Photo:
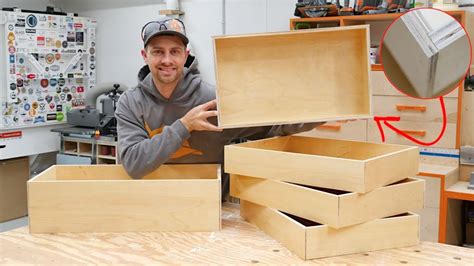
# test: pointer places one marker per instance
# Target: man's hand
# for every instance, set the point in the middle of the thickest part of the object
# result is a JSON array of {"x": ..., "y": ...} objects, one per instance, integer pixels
[{"x": 196, "y": 118}]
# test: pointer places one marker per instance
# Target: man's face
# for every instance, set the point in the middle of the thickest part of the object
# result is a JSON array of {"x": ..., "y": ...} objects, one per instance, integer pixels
[{"x": 165, "y": 56}]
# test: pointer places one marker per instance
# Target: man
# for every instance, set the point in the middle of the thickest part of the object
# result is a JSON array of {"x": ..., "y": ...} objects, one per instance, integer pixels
[{"x": 170, "y": 116}]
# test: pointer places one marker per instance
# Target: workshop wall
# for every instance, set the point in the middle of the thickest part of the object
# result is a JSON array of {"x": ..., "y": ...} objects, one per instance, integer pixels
[{"x": 120, "y": 22}]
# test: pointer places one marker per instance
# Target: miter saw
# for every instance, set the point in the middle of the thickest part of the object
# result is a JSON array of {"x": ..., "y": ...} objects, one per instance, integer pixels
[{"x": 99, "y": 112}]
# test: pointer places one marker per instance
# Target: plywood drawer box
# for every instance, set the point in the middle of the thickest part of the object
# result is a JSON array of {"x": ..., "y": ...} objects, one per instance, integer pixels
[
  {"x": 105, "y": 199},
  {"x": 310, "y": 240},
  {"x": 350, "y": 130},
  {"x": 328, "y": 163},
  {"x": 382, "y": 86},
  {"x": 423, "y": 131},
  {"x": 291, "y": 77},
  {"x": 330, "y": 207},
  {"x": 410, "y": 109}
]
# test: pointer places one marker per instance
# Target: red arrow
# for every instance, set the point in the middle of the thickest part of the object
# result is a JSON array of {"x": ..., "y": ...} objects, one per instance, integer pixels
[{"x": 385, "y": 119}]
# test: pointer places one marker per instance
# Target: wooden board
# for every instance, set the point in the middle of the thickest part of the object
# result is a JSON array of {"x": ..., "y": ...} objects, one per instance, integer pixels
[
  {"x": 429, "y": 224},
  {"x": 293, "y": 77},
  {"x": 311, "y": 240},
  {"x": 237, "y": 243},
  {"x": 328, "y": 163},
  {"x": 105, "y": 199},
  {"x": 336, "y": 209}
]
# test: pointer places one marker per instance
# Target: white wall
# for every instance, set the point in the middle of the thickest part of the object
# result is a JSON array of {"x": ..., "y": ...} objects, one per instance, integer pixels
[
  {"x": 26, "y": 4},
  {"x": 120, "y": 22}
]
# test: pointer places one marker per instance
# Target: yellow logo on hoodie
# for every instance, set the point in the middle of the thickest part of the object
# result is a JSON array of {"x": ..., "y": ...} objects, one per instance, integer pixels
[{"x": 181, "y": 152}]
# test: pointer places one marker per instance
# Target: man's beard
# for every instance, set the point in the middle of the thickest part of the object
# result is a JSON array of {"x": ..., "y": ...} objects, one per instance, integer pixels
[{"x": 168, "y": 79}]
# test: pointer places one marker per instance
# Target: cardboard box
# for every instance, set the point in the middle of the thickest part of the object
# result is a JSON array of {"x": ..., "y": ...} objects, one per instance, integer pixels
[
  {"x": 311, "y": 240},
  {"x": 14, "y": 173},
  {"x": 328, "y": 163},
  {"x": 103, "y": 198}
]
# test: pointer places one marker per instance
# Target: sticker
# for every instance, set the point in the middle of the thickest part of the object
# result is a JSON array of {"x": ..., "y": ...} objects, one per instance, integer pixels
[
  {"x": 92, "y": 44},
  {"x": 59, "y": 107},
  {"x": 26, "y": 82},
  {"x": 58, "y": 90},
  {"x": 23, "y": 90},
  {"x": 66, "y": 90},
  {"x": 11, "y": 36},
  {"x": 71, "y": 36},
  {"x": 10, "y": 27},
  {"x": 70, "y": 75},
  {"x": 30, "y": 31},
  {"x": 92, "y": 50},
  {"x": 30, "y": 91},
  {"x": 32, "y": 21},
  {"x": 62, "y": 96},
  {"x": 79, "y": 37},
  {"x": 40, "y": 40},
  {"x": 61, "y": 82},
  {"x": 78, "y": 25},
  {"x": 42, "y": 107},
  {"x": 35, "y": 105},
  {"x": 44, "y": 83},
  {"x": 49, "y": 58},
  {"x": 58, "y": 44},
  {"x": 20, "y": 22},
  {"x": 27, "y": 120},
  {"x": 13, "y": 95},
  {"x": 39, "y": 119},
  {"x": 19, "y": 83},
  {"x": 92, "y": 58},
  {"x": 21, "y": 60},
  {"x": 54, "y": 68},
  {"x": 92, "y": 66},
  {"x": 60, "y": 116},
  {"x": 57, "y": 56},
  {"x": 48, "y": 98},
  {"x": 46, "y": 69},
  {"x": 50, "y": 117},
  {"x": 51, "y": 106},
  {"x": 64, "y": 44},
  {"x": 11, "y": 49},
  {"x": 69, "y": 97},
  {"x": 12, "y": 59},
  {"x": 11, "y": 134},
  {"x": 32, "y": 112},
  {"x": 53, "y": 82},
  {"x": 80, "y": 89},
  {"x": 31, "y": 76},
  {"x": 12, "y": 86}
]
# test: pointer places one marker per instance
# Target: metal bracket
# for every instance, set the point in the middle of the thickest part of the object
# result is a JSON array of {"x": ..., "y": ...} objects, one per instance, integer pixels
[{"x": 467, "y": 155}]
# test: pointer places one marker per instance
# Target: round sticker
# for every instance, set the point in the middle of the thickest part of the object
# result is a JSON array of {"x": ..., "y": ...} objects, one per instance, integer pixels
[
  {"x": 10, "y": 27},
  {"x": 44, "y": 83},
  {"x": 11, "y": 36},
  {"x": 32, "y": 112},
  {"x": 69, "y": 97},
  {"x": 49, "y": 58},
  {"x": 92, "y": 50},
  {"x": 54, "y": 68},
  {"x": 58, "y": 44},
  {"x": 92, "y": 66},
  {"x": 57, "y": 56},
  {"x": 58, "y": 90},
  {"x": 61, "y": 82},
  {"x": 21, "y": 60},
  {"x": 19, "y": 83},
  {"x": 12, "y": 86},
  {"x": 35, "y": 105},
  {"x": 13, "y": 95},
  {"x": 53, "y": 82},
  {"x": 92, "y": 58},
  {"x": 32, "y": 21},
  {"x": 66, "y": 90},
  {"x": 11, "y": 49},
  {"x": 64, "y": 44},
  {"x": 27, "y": 106},
  {"x": 60, "y": 116}
]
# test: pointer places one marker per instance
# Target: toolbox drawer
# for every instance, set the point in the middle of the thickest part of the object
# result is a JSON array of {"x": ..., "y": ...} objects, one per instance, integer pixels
[{"x": 348, "y": 130}]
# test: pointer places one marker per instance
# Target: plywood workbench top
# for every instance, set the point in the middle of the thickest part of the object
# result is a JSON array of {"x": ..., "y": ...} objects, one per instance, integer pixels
[{"x": 238, "y": 242}]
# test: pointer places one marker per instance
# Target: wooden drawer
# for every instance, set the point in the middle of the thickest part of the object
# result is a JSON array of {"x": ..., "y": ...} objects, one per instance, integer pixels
[
  {"x": 429, "y": 224},
  {"x": 330, "y": 207},
  {"x": 382, "y": 86},
  {"x": 337, "y": 164},
  {"x": 105, "y": 199},
  {"x": 423, "y": 131},
  {"x": 432, "y": 191},
  {"x": 292, "y": 77},
  {"x": 311, "y": 240},
  {"x": 410, "y": 109},
  {"x": 350, "y": 130}
]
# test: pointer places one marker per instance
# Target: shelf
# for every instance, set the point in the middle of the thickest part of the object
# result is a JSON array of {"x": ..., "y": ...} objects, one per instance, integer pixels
[
  {"x": 460, "y": 191},
  {"x": 107, "y": 157},
  {"x": 106, "y": 161}
]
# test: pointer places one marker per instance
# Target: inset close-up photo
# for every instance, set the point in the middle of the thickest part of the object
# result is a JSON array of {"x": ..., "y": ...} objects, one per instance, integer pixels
[{"x": 425, "y": 53}]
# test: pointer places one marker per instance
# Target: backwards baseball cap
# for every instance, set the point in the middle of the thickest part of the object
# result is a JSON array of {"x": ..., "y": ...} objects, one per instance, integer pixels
[{"x": 164, "y": 27}]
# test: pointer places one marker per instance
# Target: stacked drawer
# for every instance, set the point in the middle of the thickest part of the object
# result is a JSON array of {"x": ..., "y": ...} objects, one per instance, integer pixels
[
  {"x": 324, "y": 197},
  {"x": 422, "y": 119}
]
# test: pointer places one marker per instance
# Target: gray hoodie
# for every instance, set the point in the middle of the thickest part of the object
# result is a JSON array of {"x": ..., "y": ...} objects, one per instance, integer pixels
[{"x": 150, "y": 131}]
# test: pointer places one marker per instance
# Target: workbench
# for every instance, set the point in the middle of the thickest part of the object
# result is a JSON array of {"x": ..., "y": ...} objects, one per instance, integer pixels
[{"x": 237, "y": 242}]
